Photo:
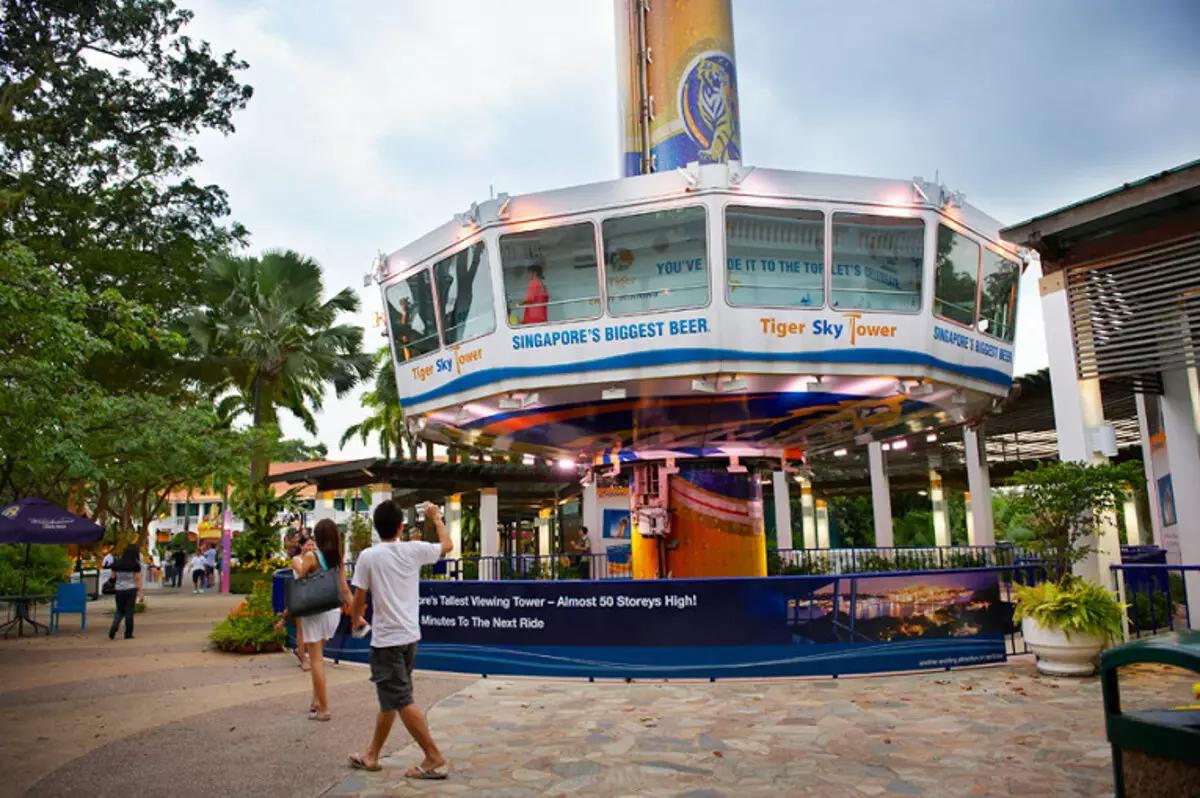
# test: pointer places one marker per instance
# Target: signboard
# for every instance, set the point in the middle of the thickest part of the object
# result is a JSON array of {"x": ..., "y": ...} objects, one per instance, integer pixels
[{"x": 710, "y": 628}]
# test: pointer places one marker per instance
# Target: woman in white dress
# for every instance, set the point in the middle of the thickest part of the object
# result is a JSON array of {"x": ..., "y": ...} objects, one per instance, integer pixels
[{"x": 322, "y": 627}]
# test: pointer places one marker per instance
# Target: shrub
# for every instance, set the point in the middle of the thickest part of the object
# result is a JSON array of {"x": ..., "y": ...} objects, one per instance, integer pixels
[
  {"x": 1076, "y": 606},
  {"x": 48, "y": 567},
  {"x": 242, "y": 580},
  {"x": 250, "y": 626}
]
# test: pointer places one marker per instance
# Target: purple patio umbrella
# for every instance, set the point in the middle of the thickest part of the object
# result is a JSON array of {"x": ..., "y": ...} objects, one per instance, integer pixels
[
  {"x": 38, "y": 521},
  {"x": 33, "y": 520}
]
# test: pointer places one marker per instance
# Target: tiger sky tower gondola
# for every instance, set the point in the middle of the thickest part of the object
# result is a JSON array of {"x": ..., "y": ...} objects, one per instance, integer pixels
[{"x": 699, "y": 314}]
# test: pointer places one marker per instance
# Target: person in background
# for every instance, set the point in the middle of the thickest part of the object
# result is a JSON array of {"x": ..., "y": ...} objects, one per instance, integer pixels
[
  {"x": 178, "y": 560},
  {"x": 128, "y": 570},
  {"x": 106, "y": 566},
  {"x": 582, "y": 545},
  {"x": 326, "y": 555},
  {"x": 210, "y": 565},
  {"x": 196, "y": 566},
  {"x": 391, "y": 571},
  {"x": 536, "y": 301}
]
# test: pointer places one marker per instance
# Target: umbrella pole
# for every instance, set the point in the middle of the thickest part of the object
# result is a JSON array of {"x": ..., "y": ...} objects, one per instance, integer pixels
[{"x": 25, "y": 572}]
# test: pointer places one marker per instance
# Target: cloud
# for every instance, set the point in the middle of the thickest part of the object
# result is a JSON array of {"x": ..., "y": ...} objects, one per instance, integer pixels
[{"x": 373, "y": 123}]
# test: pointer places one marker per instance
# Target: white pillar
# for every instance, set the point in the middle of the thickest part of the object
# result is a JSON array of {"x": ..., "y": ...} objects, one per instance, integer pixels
[
  {"x": 881, "y": 496},
  {"x": 543, "y": 532},
  {"x": 592, "y": 517},
  {"x": 783, "y": 510},
  {"x": 454, "y": 523},
  {"x": 937, "y": 501},
  {"x": 981, "y": 527},
  {"x": 822, "y": 512},
  {"x": 489, "y": 531},
  {"x": 970, "y": 519},
  {"x": 1133, "y": 534},
  {"x": 1143, "y": 411},
  {"x": 1183, "y": 453},
  {"x": 323, "y": 508},
  {"x": 808, "y": 514},
  {"x": 1077, "y": 412}
]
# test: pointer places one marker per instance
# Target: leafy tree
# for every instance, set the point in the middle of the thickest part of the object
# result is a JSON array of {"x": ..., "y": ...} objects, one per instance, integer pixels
[
  {"x": 297, "y": 451},
  {"x": 267, "y": 333},
  {"x": 1064, "y": 503},
  {"x": 259, "y": 507},
  {"x": 50, "y": 412},
  {"x": 360, "y": 535},
  {"x": 854, "y": 519},
  {"x": 48, "y": 567},
  {"x": 169, "y": 447},
  {"x": 99, "y": 100}
]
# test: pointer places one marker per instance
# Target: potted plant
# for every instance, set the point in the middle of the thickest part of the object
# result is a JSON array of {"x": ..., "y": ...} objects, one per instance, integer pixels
[{"x": 1067, "y": 621}]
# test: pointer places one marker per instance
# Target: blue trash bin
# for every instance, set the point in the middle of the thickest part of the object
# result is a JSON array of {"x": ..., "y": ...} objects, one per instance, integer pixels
[{"x": 279, "y": 582}]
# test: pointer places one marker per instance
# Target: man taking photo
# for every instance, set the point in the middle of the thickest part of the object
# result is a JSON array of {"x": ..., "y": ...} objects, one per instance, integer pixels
[{"x": 391, "y": 571}]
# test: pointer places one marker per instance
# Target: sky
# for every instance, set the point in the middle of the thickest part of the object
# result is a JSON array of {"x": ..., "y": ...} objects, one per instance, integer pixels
[{"x": 373, "y": 123}]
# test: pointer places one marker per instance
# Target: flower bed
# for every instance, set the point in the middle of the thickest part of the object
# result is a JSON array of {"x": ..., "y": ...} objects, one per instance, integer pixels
[{"x": 250, "y": 626}]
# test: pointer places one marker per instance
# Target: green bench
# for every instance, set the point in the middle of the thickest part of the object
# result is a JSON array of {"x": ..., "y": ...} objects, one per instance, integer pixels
[{"x": 1157, "y": 752}]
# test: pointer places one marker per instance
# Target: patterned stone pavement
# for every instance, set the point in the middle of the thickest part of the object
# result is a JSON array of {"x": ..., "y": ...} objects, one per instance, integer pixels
[{"x": 1001, "y": 731}]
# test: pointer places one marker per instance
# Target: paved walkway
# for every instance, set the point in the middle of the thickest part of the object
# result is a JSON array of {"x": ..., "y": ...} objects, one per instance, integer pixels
[
  {"x": 987, "y": 732},
  {"x": 162, "y": 715}
]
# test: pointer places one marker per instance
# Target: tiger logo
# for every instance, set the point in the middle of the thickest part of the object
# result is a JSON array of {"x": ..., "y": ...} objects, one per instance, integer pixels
[{"x": 708, "y": 107}]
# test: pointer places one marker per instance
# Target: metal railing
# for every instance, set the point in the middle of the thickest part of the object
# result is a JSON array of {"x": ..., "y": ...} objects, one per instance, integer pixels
[
  {"x": 1157, "y": 597},
  {"x": 799, "y": 562},
  {"x": 527, "y": 567}
]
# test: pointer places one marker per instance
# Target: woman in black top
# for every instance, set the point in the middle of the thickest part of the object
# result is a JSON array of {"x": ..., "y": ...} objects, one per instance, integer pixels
[{"x": 128, "y": 572}]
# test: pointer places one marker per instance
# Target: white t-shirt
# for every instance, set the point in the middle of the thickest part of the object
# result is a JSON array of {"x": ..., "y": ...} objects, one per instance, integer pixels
[
  {"x": 197, "y": 563},
  {"x": 392, "y": 572}
]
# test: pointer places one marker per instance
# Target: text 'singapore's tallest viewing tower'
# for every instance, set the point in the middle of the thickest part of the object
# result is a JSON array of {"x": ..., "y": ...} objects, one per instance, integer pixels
[{"x": 678, "y": 84}]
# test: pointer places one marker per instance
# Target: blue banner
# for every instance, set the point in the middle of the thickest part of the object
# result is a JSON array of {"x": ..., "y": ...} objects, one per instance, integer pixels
[{"x": 710, "y": 628}]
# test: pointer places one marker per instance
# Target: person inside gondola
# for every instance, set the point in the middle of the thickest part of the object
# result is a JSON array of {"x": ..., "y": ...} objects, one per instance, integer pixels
[{"x": 536, "y": 299}]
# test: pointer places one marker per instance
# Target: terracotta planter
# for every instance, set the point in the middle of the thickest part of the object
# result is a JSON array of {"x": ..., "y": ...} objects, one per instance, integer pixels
[{"x": 1059, "y": 656}]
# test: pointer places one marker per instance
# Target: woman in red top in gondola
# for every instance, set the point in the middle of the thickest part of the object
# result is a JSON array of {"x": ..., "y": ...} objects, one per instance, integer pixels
[{"x": 536, "y": 299}]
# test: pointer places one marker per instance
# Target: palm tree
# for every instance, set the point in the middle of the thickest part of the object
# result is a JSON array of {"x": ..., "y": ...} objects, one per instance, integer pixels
[
  {"x": 267, "y": 334},
  {"x": 386, "y": 419}
]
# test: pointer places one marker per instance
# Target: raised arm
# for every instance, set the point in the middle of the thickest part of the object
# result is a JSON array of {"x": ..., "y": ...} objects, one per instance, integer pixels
[{"x": 434, "y": 514}]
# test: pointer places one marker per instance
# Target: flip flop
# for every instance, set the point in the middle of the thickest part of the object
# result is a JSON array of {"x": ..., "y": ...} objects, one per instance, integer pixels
[
  {"x": 319, "y": 716},
  {"x": 418, "y": 773},
  {"x": 357, "y": 763}
]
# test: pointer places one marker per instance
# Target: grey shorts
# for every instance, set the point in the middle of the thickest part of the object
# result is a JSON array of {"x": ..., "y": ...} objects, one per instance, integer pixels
[{"x": 391, "y": 671}]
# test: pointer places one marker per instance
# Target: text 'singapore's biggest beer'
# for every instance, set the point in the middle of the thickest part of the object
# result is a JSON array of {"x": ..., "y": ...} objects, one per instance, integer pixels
[{"x": 689, "y": 83}]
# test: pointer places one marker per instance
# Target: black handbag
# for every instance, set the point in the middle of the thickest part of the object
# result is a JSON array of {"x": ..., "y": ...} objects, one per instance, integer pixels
[
  {"x": 110, "y": 586},
  {"x": 313, "y": 594}
]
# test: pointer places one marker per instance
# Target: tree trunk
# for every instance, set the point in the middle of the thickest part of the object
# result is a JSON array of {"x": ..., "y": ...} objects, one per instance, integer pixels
[
  {"x": 258, "y": 468},
  {"x": 187, "y": 517}
]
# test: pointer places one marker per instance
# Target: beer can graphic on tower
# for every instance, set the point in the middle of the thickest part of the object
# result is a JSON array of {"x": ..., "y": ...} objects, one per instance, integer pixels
[{"x": 678, "y": 84}]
